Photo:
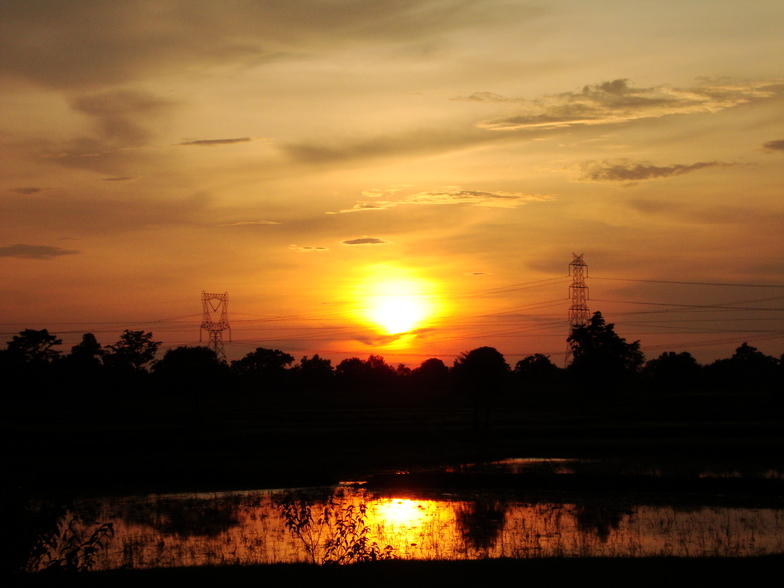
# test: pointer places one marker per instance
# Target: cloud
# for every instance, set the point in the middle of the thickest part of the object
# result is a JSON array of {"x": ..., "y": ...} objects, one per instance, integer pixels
[
  {"x": 775, "y": 145},
  {"x": 119, "y": 113},
  {"x": 77, "y": 43},
  {"x": 400, "y": 144},
  {"x": 498, "y": 199},
  {"x": 308, "y": 248},
  {"x": 97, "y": 214},
  {"x": 123, "y": 123},
  {"x": 618, "y": 102},
  {"x": 365, "y": 241},
  {"x": 119, "y": 179},
  {"x": 212, "y": 142},
  {"x": 475, "y": 197},
  {"x": 26, "y": 191},
  {"x": 246, "y": 223},
  {"x": 377, "y": 340},
  {"x": 22, "y": 251},
  {"x": 623, "y": 170}
]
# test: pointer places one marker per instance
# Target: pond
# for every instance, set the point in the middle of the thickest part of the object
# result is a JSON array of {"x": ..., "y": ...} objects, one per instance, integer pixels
[{"x": 271, "y": 526}]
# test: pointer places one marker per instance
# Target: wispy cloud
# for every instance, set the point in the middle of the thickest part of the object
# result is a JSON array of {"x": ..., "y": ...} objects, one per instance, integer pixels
[
  {"x": 123, "y": 115},
  {"x": 775, "y": 145},
  {"x": 618, "y": 102},
  {"x": 246, "y": 223},
  {"x": 448, "y": 196},
  {"x": 119, "y": 179},
  {"x": 26, "y": 191},
  {"x": 308, "y": 249},
  {"x": 213, "y": 142},
  {"x": 365, "y": 241},
  {"x": 78, "y": 44},
  {"x": 623, "y": 170},
  {"x": 22, "y": 251},
  {"x": 377, "y": 340}
]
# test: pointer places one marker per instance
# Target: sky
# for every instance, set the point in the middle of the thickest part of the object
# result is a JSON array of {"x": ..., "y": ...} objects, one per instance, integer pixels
[{"x": 403, "y": 178}]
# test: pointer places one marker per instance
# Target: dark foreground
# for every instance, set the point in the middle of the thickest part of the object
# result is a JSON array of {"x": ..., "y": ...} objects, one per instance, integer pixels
[
  {"x": 560, "y": 572},
  {"x": 57, "y": 449},
  {"x": 140, "y": 443}
]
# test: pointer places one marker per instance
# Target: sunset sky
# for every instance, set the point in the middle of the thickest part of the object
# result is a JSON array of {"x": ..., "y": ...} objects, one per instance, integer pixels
[{"x": 331, "y": 164}]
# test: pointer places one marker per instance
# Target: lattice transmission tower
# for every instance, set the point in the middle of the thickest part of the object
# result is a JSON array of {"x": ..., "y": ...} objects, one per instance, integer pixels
[
  {"x": 215, "y": 320},
  {"x": 578, "y": 292}
]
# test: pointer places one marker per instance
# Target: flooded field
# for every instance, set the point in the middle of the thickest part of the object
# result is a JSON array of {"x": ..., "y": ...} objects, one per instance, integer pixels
[{"x": 323, "y": 524}]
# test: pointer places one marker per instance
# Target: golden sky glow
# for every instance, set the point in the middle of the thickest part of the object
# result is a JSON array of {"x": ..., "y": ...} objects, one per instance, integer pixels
[{"x": 280, "y": 151}]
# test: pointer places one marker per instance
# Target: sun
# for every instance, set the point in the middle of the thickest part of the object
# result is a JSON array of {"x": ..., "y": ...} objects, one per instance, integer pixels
[{"x": 396, "y": 302}]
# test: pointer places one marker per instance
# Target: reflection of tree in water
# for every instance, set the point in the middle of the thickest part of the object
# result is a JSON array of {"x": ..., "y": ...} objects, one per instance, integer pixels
[
  {"x": 191, "y": 517},
  {"x": 599, "y": 518},
  {"x": 480, "y": 522}
]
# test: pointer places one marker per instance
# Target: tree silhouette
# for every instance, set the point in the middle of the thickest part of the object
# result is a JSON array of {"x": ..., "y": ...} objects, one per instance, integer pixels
[
  {"x": 34, "y": 347},
  {"x": 432, "y": 374},
  {"x": 673, "y": 371},
  {"x": 132, "y": 352},
  {"x": 372, "y": 375},
  {"x": 194, "y": 369},
  {"x": 315, "y": 373},
  {"x": 88, "y": 351},
  {"x": 748, "y": 368},
  {"x": 601, "y": 359},
  {"x": 263, "y": 368},
  {"x": 82, "y": 370},
  {"x": 483, "y": 374},
  {"x": 27, "y": 363},
  {"x": 536, "y": 371}
]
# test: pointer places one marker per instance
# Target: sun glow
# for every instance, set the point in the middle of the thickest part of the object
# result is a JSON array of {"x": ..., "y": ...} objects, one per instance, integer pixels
[
  {"x": 403, "y": 512},
  {"x": 396, "y": 302}
]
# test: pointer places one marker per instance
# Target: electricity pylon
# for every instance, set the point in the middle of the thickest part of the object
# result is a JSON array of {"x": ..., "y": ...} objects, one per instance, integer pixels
[
  {"x": 215, "y": 306},
  {"x": 578, "y": 292}
]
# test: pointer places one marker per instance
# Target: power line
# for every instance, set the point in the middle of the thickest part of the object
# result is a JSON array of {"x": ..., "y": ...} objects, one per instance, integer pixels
[
  {"x": 708, "y": 306},
  {"x": 720, "y": 284}
]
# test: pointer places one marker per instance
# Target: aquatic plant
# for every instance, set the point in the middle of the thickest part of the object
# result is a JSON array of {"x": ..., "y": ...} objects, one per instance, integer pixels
[
  {"x": 66, "y": 547},
  {"x": 332, "y": 534}
]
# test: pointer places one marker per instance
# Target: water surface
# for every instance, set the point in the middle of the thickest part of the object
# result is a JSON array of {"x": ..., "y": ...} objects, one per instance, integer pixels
[{"x": 437, "y": 523}]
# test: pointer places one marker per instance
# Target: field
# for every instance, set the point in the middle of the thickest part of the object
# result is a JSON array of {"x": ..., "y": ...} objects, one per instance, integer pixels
[
  {"x": 59, "y": 449},
  {"x": 140, "y": 443}
]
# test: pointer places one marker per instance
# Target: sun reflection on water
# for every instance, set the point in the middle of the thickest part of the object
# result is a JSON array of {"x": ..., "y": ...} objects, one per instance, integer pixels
[{"x": 250, "y": 528}]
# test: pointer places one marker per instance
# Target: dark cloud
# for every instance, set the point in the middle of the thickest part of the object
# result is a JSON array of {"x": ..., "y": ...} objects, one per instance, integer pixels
[
  {"x": 617, "y": 102},
  {"x": 308, "y": 248},
  {"x": 101, "y": 215},
  {"x": 119, "y": 179},
  {"x": 775, "y": 145},
  {"x": 211, "y": 142},
  {"x": 26, "y": 191},
  {"x": 82, "y": 43},
  {"x": 713, "y": 214},
  {"x": 623, "y": 170},
  {"x": 421, "y": 141},
  {"x": 377, "y": 340},
  {"x": 34, "y": 251},
  {"x": 124, "y": 121},
  {"x": 121, "y": 114},
  {"x": 365, "y": 241}
]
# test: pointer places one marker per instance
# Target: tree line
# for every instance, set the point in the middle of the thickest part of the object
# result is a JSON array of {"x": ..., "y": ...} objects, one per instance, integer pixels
[{"x": 601, "y": 361}]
